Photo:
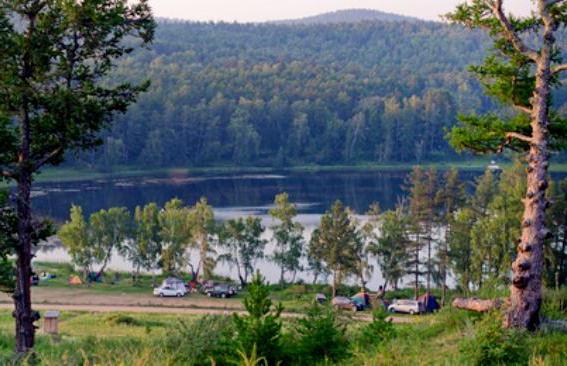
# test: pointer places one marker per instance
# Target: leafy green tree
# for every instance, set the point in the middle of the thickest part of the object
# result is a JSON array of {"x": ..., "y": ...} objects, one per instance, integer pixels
[
  {"x": 315, "y": 264},
  {"x": 8, "y": 242},
  {"x": 92, "y": 243},
  {"x": 76, "y": 238},
  {"x": 334, "y": 243},
  {"x": 245, "y": 140},
  {"x": 521, "y": 74},
  {"x": 202, "y": 221},
  {"x": 241, "y": 238},
  {"x": 557, "y": 221},
  {"x": 288, "y": 237},
  {"x": 423, "y": 207},
  {"x": 261, "y": 327},
  {"x": 460, "y": 248},
  {"x": 175, "y": 235},
  {"x": 53, "y": 98},
  {"x": 143, "y": 249},
  {"x": 390, "y": 246},
  {"x": 366, "y": 234},
  {"x": 109, "y": 229},
  {"x": 493, "y": 235},
  {"x": 450, "y": 197}
]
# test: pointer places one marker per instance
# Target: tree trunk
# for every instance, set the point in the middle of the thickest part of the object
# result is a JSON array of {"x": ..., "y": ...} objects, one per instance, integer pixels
[
  {"x": 334, "y": 289},
  {"x": 429, "y": 261},
  {"x": 478, "y": 305},
  {"x": 23, "y": 313},
  {"x": 282, "y": 273},
  {"x": 525, "y": 291},
  {"x": 104, "y": 264},
  {"x": 416, "y": 288}
]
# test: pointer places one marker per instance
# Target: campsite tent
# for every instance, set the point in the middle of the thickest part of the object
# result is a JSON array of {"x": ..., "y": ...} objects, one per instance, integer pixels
[
  {"x": 75, "y": 280},
  {"x": 429, "y": 302}
]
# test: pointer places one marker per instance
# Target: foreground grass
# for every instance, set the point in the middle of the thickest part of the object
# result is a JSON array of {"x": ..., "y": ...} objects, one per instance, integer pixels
[{"x": 141, "y": 339}]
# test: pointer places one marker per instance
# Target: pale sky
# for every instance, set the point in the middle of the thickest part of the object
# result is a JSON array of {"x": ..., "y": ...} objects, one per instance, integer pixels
[{"x": 263, "y": 10}]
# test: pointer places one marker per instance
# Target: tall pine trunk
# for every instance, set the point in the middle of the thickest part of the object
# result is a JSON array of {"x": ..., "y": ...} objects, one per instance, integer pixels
[
  {"x": 526, "y": 288},
  {"x": 23, "y": 313}
]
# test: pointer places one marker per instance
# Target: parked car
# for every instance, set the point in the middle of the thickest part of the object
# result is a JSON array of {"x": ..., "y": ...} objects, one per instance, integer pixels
[
  {"x": 342, "y": 302},
  {"x": 406, "y": 306},
  {"x": 177, "y": 289},
  {"x": 221, "y": 290},
  {"x": 34, "y": 280},
  {"x": 321, "y": 298}
]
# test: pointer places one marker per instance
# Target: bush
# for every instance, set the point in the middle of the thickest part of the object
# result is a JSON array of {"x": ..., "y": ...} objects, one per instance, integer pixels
[
  {"x": 491, "y": 344},
  {"x": 122, "y": 319},
  {"x": 261, "y": 328},
  {"x": 320, "y": 337},
  {"x": 205, "y": 339},
  {"x": 555, "y": 303},
  {"x": 377, "y": 331}
]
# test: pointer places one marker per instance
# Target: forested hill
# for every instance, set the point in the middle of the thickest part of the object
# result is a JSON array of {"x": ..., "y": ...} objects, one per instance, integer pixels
[
  {"x": 348, "y": 16},
  {"x": 265, "y": 94}
]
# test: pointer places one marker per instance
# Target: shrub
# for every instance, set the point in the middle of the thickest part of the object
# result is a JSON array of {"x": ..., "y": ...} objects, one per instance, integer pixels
[
  {"x": 205, "y": 339},
  {"x": 491, "y": 344},
  {"x": 122, "y": 319},
  {"x": 320, "y": 337},
  {"x": 377, "y": 331},
  {"x": 261, "y": 328},
  {"x": 554, "y": 304}
]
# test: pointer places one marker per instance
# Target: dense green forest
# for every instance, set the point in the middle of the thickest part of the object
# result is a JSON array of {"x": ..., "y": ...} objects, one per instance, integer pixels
[{"x": 277, "y": 95}]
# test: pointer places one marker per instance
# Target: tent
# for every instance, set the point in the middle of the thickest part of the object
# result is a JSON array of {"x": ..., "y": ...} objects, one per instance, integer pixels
[
  {"x": 75, "y": 280},
  {"x": 429, "y": 302}
]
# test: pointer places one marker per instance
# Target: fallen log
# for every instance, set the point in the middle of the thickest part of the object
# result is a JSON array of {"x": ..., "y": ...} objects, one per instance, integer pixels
[{"x": 475, "y": 304}]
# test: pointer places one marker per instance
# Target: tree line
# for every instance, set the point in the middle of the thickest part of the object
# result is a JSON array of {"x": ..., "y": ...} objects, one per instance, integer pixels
[
  {"x": 283, "y": 95},
  {"x": 443, "y": 229}
]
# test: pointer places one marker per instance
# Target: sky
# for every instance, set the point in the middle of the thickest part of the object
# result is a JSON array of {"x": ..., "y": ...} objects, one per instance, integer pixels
[{"x": 264, "y": 10}]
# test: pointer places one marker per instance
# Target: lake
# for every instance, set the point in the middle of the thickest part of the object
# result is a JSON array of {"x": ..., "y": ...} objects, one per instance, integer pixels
[{"x": 230, "y": 195}]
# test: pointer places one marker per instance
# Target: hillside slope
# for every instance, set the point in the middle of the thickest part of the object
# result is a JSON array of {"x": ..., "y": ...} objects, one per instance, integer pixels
[{"x": 349, "y": 16}]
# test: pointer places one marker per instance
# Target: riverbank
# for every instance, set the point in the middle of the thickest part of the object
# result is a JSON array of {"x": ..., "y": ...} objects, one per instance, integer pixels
[{"x": 80, "y": 174}]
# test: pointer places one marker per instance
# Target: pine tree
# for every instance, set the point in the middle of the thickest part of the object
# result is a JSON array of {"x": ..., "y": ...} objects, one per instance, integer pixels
[{"x": 520, "y": 74}]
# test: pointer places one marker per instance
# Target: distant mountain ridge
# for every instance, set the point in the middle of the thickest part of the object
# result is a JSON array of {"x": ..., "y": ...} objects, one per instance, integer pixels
[{"x": 349, "y": 16}]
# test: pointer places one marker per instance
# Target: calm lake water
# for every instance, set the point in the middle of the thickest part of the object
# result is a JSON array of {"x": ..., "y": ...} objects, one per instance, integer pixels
[{"x": 230, "y": 195}]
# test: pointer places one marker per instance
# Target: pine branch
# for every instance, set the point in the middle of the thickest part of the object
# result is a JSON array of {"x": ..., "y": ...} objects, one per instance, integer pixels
[
  {"x": 518, "y": 136},
  {"x": 559, "y": 68},
  {"x": 47, "y": 157},
  {"x": 552, "y": 2},
  {"x": 522, "y": 108},
  {"x": 510, "y": 33},
  {"x": 6, "y": 173}
]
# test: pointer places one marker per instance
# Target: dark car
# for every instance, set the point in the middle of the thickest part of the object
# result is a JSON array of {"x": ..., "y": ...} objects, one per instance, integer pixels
[
  {"x": 221, "y": 291},
  {"x": 34, "y": 280}
]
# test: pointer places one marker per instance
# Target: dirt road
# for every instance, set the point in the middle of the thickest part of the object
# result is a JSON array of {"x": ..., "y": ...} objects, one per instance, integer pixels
[{"x": 86, "y": 300}]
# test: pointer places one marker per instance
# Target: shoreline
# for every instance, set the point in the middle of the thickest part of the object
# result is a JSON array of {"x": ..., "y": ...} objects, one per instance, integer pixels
[{"x": 55, "y": 175}]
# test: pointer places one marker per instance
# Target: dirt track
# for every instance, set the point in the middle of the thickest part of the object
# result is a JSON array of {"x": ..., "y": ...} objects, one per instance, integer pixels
[{"x": 87, "y": 300}]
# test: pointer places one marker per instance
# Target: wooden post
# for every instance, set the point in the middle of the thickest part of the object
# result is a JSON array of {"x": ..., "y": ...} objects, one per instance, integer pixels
[{"x": 51, "y": 322}]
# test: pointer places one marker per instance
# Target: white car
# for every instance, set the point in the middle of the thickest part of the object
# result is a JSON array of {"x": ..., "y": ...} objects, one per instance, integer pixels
[
  {"x": 171, "y": 290},
  {"x": 406, "y": 306}
]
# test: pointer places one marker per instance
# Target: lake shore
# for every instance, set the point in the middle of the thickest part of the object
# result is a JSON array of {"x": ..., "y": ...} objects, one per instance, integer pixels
[{"x": 82, "y": 174}]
